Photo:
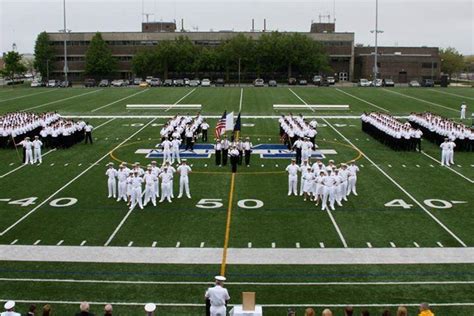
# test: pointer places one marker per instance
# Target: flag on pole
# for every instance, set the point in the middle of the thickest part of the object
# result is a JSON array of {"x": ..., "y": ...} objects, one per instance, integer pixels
[
  {"x": 229, "y": 122},
  {"x": 221, "y": 125},
  {"x": 237, "y": 127}
]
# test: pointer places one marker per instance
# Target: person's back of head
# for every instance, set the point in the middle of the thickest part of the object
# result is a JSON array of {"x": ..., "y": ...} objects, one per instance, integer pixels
[
  {"x": 309, "y": 312},
  {"x": 348, "y": 311},
  {"x": 386, "y": 312},
  {"x": 365, "y": 313},
  {"x": 84, "y": 307},
  {"x": 402, "y": 311},
  {"x": 108, "y": 310},
  {"x": 47, "y": 310},
  {"x": 326, "y": 312}
]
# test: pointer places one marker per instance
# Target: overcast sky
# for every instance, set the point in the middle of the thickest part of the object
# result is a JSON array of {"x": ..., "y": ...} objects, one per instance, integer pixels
[{"x": 404, "y": 22}]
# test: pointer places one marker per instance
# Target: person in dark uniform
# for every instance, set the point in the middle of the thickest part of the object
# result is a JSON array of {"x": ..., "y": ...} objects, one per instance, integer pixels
[
  {"x": 225, "y": 150},
  {"x": 234, "y": 158},
  {"x": 88, "y": 130},
  {"x": 218, "y": 149}
]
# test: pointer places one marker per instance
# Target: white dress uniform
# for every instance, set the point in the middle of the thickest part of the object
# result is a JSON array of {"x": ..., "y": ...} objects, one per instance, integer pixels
[
  {"x": 338, "y": 187},
  {"x": 28, "y": 145},
  {"x": 37, "y": 144},
  {"x": 156, "y": 171},
  {"x": 328, "y": 192},
  {"x": 166, "y": 182},
  {"x": 318, "y": 186},
  {"x": 292, "y": 170},
  {"x": 175, "y": 143},
  {"x": 111, "y": 174},
  {"x": 352, "y": 179},
  {"x": 344, "y": 174},
  {"x": 218, "y": 296},
  {"x": 150, "y": 180},
  {"x": 304, "y": 170},
  {"x": 452, "y": 144},
  {"x": 183, "y": 171},
  {"x": 445, "y": 147},
  {"x": 308, "y": 180},
  {"x": 129, "y": 185},
  {"x": 136, "y": 192},
  {"x": 122, "y": 175},
  {"x": 172, "y": 171},
  {"x": 463, "y": 111},
  {"x": 166, "y": 144}
]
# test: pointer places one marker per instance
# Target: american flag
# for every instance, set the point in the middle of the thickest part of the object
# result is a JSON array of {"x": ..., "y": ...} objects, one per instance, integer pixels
[{"x": 220, "y": 127}]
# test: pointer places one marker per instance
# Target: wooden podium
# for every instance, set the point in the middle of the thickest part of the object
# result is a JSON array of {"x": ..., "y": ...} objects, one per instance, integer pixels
[{"x": 248, "y": 301}]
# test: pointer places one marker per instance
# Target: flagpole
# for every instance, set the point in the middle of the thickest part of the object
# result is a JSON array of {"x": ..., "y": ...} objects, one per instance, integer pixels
[{"x": 17, "y": 153}]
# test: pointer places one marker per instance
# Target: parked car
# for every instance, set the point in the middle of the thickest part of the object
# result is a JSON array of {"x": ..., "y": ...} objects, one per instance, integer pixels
[
  {"x": 219, "y": 82},
  {"x": 179, "y": 83},
  {"x": 148, "y": 79},
  {"x": 376, "y": 83},
  {"x": 302, "y": 82},
  {"x": 414, "y": 84},
  {"x": 168, "y": 83},
  {"x": 317, "y": 80},
  {"x": 193, "y": 83},
  {"x": 388, "y": 83},
  {"x": 428, "y": 83},
  {"x": 143, "y": 84},
  {"x": 292, "y": 81},
  {"x": 119, "y": 83},
  {"x": 205, "y": 83},
  {"x": 65, "y": 84},
  {"x": 364, "y": 83},
  {"x": 155, "y": 82},
  {"x": 53, "y": 84},
  {"x": 36, "y": 84},
  {"x": 331, "y": 81},
  {"x": 137, "y": 80},
  {"x": 89, "y": 83},
  {"x": 272, "y": 83},
  {"x": 186, "y": 81},
  {"x": 259, "y": 83},
  {"x": 104, "y": 83}
]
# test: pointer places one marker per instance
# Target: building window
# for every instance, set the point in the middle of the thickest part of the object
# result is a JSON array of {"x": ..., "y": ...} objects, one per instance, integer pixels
[{"x": 429, "y": 65}]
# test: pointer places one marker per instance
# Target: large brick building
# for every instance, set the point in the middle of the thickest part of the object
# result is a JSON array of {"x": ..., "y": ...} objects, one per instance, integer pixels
[{"x": 348, "y": 62}]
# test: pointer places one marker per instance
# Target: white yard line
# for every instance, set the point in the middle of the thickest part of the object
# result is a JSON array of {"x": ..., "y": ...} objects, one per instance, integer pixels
[
  {"x": 73, "y": 180},
  {"x": 449, "y": 168},
  {"x": 107, "y": 122},
  {"x": 241, "y": 98},
  {"x": 400, "y": 187},
  {"x": 28, "y": 95},
  {"x": 114, "y": 102},
  {"x": 60, "y": 100},
  {"x": 301, "y": 100},
  {"x": 137, "y": 282},
  {"x": 180, "y": 99},
  {"x": 243, "y": 256},
  {"x": 24, "y": 165},
  {"x": 362, "y": 100},
  {"x": 453, "y": 94},
  {"x": 352, "y": 117},
  {"x": 109, "y": 240},
  {"x": 179, "y": 304},
  {"x": 421, "y": 100}
]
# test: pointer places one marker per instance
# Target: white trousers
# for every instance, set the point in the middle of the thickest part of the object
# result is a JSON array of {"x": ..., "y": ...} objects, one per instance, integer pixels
[
  {"x": 28, "y": 156},
  {"x": 150, "y": 194},
  {"x": 166, "y": 156},
  {"x": 122, "y": 190},
  {"x": 136, "y": 197},
  {"x": 343, "y": 189},
  {"x": 463, "y": 114},
  {"x": 451, "y": 157},
  {"x": 328, "y": 194},
  {"x": 184, "y": 186},
  {"x": 293, "y": 185},
  {"x": 111, "y": 185},
  {"x": 445, "y": 158},
  {"x": 37, "y": 155},
  {"x": 218, "y": 310},
  {"x": 175, "y": 155},
  {"x": 157, "y": 188},
  {"x": 351, "y": 185},
  {"x": 165, "y": 191}
]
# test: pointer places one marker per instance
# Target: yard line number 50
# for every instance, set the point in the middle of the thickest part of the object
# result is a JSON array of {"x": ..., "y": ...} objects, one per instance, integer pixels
[
  {"x": 433, "y": 203},
  {"x": 217, "y": 203}
]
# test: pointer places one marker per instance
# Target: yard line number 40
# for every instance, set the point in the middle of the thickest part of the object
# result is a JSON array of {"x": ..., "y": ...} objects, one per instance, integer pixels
[
  {"x": 433, "y": 203},
  {"x": 59, "y": 202}
]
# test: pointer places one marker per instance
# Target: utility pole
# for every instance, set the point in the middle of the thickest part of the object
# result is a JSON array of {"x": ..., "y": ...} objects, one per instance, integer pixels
[
  {"x": 65, "y": 42},
  {"x": 239, "y": 71},
  {"x": 376, "y": 31}
]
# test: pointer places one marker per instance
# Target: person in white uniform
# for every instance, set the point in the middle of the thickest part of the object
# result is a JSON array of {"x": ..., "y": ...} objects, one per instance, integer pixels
[
  {"x": 111, "y": 174},
  {"x": 218, "y": 297},
  {"x": 175, "y": 143},
  {"x": 352, "y": 179},
  {"x": 122, "y": 175},
  {"x": 308, "y": 180},
  {"x": 463, "y": 111},
  {"x": 303, "y": 169},
  {"x": 292, "y": 170},
  {"x": 445, "y": 147},
  {"x": 156, "y": 171},
  {"x": 166, "y": 182},
  {"x": 319, "y": 187},
  {"x": 150, "y": 179},
  {"x": 328, "y": 192},
  {"x": 184, "y": 170},
  {"x": 10, "y": 309},
  {"x": 451, "y": 147},
  {"x": 338, "y": 187},
  {"x": 28, "y": 145},
  {"x": 171, "y": 170},
  {"x": 37, "y": 144},
  {"x": 166, "y": 146},
  {"x": 136, "y": 191}
]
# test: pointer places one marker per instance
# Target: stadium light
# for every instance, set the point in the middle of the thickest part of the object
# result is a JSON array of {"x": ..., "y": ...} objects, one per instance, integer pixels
[
  {"x": 65, "y": 30},
  {"x": 376, "y": 32}
]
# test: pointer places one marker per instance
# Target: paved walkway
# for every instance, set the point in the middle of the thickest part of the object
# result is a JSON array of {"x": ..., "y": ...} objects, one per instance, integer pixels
[{"x": 254, "y": 256}]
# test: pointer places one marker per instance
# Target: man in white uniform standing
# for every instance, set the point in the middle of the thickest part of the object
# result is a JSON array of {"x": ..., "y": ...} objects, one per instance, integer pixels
[
  {"x": 10, "y": 309},
  {"x": 122, "y": 175},
  {"x": 28, "y": 145},
  {"x": 175, "y": 143},
  {"x": 352, "y": 179},
  {"x": 150, "y": 179},
  {"x": 218, "y": 297},
  {"x": 292, "y": 170},
  {"x": 136, "y": 197},
  {"x": 445, "y": 152},
  {"x": 166, "y": 145},
  {"x": 166, "y": 178},
  {"x": 37, "y": 144},
  {"x": 463, "y": 110},
  {"x": 111, "y": 174},
  {"x": 156, "y": 171},
  {"x": 184, "y": 170},
  {"x": 452, "y": 144}
]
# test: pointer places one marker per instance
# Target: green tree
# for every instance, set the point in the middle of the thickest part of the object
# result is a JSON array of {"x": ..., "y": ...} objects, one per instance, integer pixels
[
  {"x": 44, "y": 54},
  {"x": 99, "y": 60},
  {"x": 146, "y": 63},
  {"x": 451, "y": 61},
  {"x": 166, "y": 56},
  {"x": 185, "y": 53},
  {"x": 239, "y": 47},
  {"x": 13, "y": 65}
]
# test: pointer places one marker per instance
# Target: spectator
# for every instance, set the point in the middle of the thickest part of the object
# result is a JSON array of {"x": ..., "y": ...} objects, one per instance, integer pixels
[
  {"x": 348, "y": 311},
  {"x": 47, "y": 310},
  {"x": 386, "y": 312},
  {"x": 364, "y": 313},
  {"x": 108, "y": 310},
  {"x": 309, "y": 312},
  {"x": 326, "y": 312},
  {"x": 425, "y": 310},
  {"x": 150, "y": 309},
  {"x": 84, "y": 310},
  {"x": 31, "y": 310},
  {"x": 402, "y": 311},
  {"x": 10, "y": 309}
]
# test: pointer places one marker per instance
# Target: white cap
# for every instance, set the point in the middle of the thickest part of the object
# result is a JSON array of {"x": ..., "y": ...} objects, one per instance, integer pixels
[
  {"x": 9, "y": 305},
  {"x": 220, "y": 278},
  {"x": 150, "y": 307}
]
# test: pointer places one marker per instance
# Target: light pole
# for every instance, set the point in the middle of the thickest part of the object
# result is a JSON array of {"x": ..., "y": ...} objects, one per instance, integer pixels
[
  {"x": 65, "y": 42},
  {"x": 47, "y": 69},
  {"x": 239, "y": 71},
  {"x": 376, "y": 31}
]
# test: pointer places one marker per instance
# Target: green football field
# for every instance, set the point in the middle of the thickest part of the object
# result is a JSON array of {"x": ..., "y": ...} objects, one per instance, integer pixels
[{"x": 287, "y": 250}]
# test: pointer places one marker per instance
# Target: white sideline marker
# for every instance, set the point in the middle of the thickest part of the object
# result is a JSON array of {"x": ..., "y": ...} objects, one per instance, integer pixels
[
  {"x": 297, "y": 245},
  {"x": 164, "y": 106},
  {"x": 369, "y": 245},
  {"x": 392, "y": 244},
  {"x": 404, "y": 166},
  {"x": 273, "y": 245},
  {"x": 311, "y": 106},
  {"x": 79, "y": 164},
  {"x": 12, "y": 163},
  {"x": 202, "y": 244},
  {"x": 178, "y": 244},
  {"x": 418, "y": 166},
  {"x": 249, "y": 245},
  {"x": 440, "y": 244},
  {"x": 83, "y": 242},
  {"x": 37, "y": 242},
  {"x": 390, "y": 166},
  {"x": 416, "y": 244},
  {"x": 130, "y": 244},
  {"x": 154, "y": 244},
  {"x": 14, "y": 242},
  {"x": 321, "y": 245},
  {"x": 459, "y": 166},
  {"x": 60, "y": 243}
]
